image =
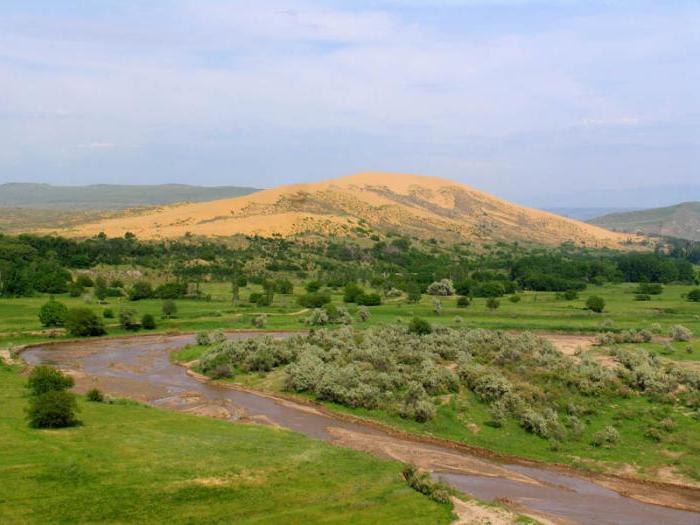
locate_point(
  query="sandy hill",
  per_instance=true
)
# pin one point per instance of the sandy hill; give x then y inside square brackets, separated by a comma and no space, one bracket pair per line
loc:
[415,205]
[681,220]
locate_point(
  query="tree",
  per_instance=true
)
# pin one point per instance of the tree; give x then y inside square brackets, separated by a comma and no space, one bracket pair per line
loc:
[595,303]
[492,303]
[53,313]
[148,322]
[235,292]
[82,322]
[694,295]
[169,309]
[44,379]
[413,290]
[284,287]
[84,281]
[54,409]
[313,286]
[140,290]
[352,292]
[369,299]
[463,301]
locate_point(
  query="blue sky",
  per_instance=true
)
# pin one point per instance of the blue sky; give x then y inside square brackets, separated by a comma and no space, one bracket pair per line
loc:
[526,99]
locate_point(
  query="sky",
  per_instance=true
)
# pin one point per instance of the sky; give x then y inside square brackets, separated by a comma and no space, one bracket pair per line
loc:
[558,102]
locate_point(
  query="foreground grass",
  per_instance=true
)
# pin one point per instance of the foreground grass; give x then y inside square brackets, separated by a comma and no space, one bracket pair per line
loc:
[131,463]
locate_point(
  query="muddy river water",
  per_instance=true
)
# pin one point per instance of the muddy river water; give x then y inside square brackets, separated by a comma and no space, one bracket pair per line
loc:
[140,369]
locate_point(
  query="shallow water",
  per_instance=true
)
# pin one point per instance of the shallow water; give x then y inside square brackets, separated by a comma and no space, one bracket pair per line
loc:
[139,368]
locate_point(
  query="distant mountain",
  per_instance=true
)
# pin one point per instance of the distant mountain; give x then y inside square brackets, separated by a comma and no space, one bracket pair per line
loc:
[109,196]
[424,207]
[631,198]
[585,214]
[681,220]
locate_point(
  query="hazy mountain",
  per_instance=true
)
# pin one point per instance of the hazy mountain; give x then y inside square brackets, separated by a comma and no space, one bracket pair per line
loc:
[109,196]
[422,206]
[585,214]
[681,220]
[619,199]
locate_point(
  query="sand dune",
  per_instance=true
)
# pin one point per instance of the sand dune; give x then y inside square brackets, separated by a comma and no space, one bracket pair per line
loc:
[411,204]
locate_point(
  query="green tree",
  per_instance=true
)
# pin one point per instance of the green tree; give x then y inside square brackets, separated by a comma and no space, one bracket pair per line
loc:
[44,379]
[53,409]
[82,322]
[595,303]
[53,313]
[169,309]
[148,322]
[419,326]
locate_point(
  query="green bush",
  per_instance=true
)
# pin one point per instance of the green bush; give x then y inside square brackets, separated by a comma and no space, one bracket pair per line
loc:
[53,409]
[148,322]
[463,301]
[82,322]
[169,309]
[314,300]
[84,281]
[95,395]
[609,436]
[140,290]
[127,319]
[649,289]
[44,379]
[419,326]
[595,303]
[369,299]
[694,295]
[514,298]
[53,313]
[571,294]
[108,313]
[642,297]
[492,303]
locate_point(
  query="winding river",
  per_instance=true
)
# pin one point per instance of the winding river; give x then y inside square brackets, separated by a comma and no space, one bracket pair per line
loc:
[139,368]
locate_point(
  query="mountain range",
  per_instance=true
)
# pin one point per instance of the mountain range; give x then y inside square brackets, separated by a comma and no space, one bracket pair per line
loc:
[681,220]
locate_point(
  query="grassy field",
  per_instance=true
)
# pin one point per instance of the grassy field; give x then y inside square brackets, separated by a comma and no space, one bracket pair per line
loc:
[539,311]
[131,463]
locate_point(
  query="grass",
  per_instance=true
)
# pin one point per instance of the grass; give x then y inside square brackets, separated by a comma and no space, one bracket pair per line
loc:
[538,311]
[132,463]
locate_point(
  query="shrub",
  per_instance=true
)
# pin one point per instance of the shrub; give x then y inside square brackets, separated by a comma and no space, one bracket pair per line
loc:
[259,321]
[419,326]
[649,289]
[169,309]
[413,291]
[492,303]
[423,483]
[314,300]
[84,281]
[127,319]
[53,409]
[168,290]
[202,339]
[318,317]
[570,294]
[609,436]
[437,306]
[352,292]
[284,287]
[595,303]
[642,297]
[82,322]
[514,298]
[442,287]
[140,290]
[53,313]
[681,333]
[363,314]
[655,328]
[369,299]
[148,322]
[75,290]
[44,379]
[95,395]
[694,295]
[108,313]
[463,301]
[313,286]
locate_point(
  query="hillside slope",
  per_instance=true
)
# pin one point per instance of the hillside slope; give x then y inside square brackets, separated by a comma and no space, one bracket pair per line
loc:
[108,196]
[415,205]
[681,220]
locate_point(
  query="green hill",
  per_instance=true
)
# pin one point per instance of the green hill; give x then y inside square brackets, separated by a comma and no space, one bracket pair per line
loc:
[109,196]
[681,220]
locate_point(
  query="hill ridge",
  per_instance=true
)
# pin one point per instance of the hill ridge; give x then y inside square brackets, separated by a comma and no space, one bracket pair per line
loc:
[410,204]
